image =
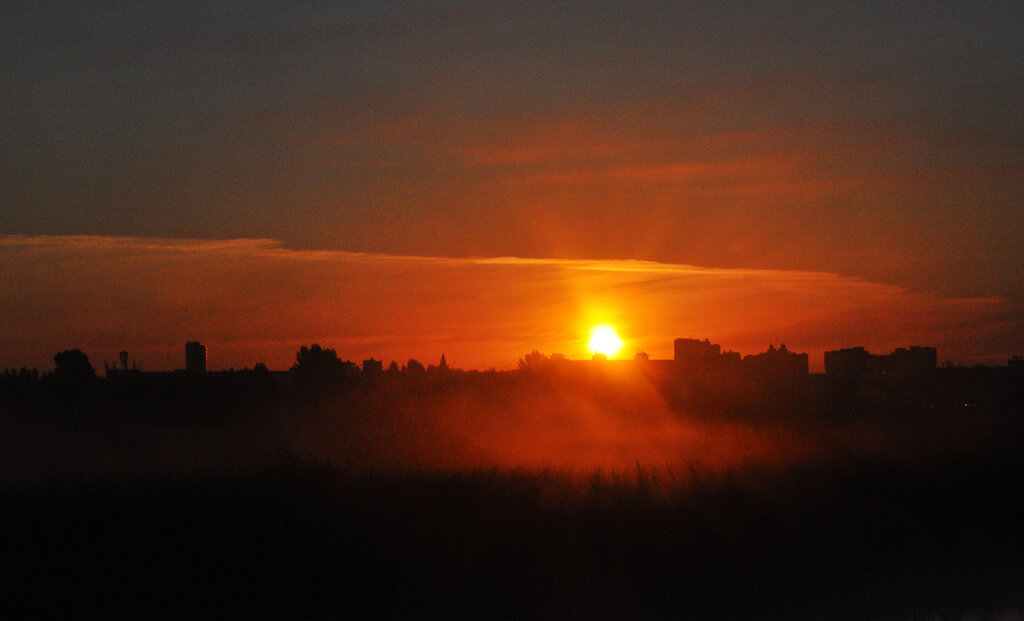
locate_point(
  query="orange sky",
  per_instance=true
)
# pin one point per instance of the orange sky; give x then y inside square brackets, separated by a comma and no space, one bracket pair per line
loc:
[257,301]
[868,139]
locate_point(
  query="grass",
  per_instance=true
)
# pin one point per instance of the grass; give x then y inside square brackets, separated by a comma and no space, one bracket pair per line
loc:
[852,539]
[505,498]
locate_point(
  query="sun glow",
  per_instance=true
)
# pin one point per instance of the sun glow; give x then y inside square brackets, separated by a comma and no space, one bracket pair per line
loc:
[604,340]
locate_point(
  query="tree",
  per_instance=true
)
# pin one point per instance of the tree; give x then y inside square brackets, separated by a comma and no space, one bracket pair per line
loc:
[315,359]
[533,361]
[318,367]
[73,366]
[73,378]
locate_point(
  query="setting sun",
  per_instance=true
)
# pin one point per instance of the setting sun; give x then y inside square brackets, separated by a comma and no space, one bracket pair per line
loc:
[604,340]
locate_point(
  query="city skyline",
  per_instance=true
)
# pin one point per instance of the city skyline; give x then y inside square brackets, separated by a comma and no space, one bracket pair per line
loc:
[462,309]
[873,141]
[864,149]
[257,301]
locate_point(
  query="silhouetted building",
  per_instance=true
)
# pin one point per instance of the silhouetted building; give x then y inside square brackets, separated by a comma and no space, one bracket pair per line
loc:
[902,363]
[702,357]
[912,362]
[373,367]
[848,362]
[777,365]
[696,352]
[444,363]
[195,357]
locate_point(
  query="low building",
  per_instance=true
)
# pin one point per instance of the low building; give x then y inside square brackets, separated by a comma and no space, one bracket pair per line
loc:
[903,363]
[777,365]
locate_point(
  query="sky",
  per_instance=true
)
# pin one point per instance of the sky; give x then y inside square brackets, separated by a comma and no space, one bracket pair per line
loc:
[257,300]
[853,168]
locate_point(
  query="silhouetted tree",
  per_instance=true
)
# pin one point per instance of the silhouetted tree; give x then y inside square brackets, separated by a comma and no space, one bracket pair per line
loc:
[73,365]
[533,361]
[73,378]
[17,385]
[316,360]
[415,367]
[319,368]
[262,382]
[24,374]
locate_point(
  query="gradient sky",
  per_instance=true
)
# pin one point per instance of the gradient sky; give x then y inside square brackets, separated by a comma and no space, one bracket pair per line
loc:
[255,300]
[875,143]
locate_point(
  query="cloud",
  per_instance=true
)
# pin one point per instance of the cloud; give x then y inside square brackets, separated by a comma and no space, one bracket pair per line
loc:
[255,300]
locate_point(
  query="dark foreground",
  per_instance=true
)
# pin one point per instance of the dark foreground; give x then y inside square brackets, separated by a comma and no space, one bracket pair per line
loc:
[854,538]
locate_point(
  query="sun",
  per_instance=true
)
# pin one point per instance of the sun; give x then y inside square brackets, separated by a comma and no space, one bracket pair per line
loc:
[604,340]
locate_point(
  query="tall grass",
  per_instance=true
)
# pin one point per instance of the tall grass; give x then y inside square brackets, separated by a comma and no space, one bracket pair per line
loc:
[508,498]
[850,538]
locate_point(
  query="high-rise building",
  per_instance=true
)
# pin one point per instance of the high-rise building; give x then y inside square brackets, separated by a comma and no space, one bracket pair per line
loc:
[195,357]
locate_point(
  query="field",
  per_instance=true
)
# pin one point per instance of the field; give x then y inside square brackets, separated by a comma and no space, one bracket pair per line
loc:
[282,513]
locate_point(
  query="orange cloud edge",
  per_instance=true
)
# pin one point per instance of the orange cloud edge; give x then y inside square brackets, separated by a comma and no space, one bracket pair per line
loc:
[257,299]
